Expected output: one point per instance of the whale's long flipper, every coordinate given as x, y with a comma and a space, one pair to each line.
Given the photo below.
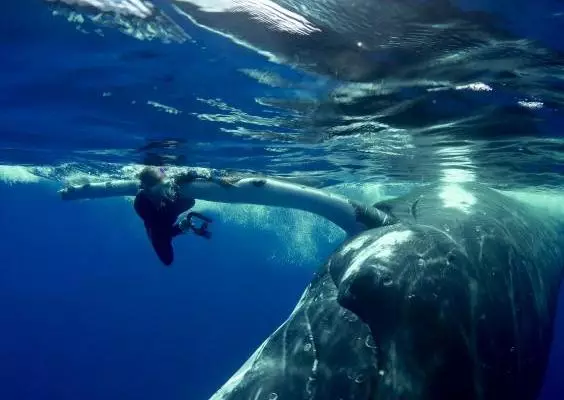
351, 216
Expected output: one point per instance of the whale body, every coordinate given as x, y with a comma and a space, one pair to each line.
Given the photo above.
456, 300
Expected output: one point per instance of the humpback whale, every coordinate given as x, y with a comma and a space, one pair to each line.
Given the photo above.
448, 292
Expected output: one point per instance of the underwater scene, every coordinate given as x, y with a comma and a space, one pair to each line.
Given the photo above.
282, 200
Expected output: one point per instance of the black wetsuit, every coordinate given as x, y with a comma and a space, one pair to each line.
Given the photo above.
159, 222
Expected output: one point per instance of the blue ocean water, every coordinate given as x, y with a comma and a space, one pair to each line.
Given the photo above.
89, 94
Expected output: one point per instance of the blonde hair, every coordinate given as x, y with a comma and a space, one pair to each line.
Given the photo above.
150, 177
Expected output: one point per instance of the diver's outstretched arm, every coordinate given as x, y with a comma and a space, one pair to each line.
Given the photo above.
100, 190
351, 216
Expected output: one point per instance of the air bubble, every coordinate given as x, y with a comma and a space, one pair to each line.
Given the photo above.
381, 372
387, 281
307, 347
369, 342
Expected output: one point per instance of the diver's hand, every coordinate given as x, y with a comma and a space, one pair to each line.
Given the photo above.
184, 222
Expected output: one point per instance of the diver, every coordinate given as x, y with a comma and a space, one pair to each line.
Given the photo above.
164, 217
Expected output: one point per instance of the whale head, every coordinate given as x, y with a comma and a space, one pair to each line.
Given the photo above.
376, 322
413, 287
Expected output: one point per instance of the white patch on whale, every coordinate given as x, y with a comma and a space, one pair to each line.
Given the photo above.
383, 249
356, 244
454, 196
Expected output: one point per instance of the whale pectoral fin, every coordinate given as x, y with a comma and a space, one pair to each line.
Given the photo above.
372, 217
162, 244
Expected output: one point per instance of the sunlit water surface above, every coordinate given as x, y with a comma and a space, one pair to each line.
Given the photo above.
326, 91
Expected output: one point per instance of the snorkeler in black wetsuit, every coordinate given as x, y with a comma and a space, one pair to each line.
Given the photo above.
160, 216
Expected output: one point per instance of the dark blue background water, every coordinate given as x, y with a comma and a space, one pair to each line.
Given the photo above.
87, 311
